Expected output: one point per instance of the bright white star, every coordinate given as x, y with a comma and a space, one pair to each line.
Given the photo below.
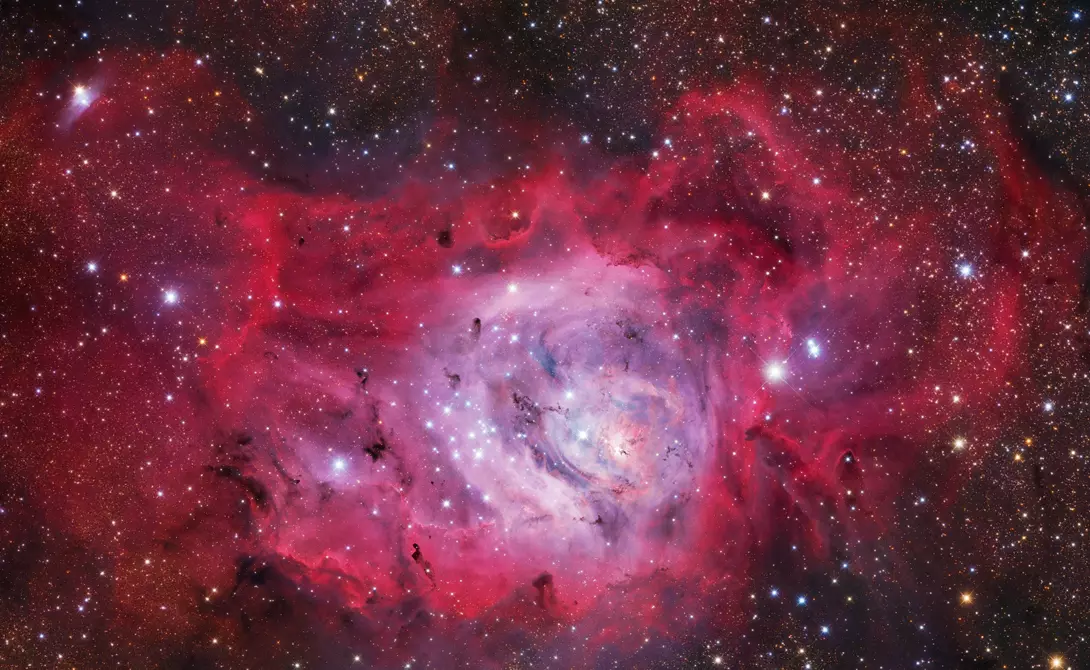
775, 372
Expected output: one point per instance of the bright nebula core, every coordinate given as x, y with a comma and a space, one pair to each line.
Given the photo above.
395, 335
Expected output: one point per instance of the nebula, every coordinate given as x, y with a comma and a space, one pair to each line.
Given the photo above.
575, 406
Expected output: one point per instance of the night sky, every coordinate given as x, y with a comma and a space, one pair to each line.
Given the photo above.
499, 335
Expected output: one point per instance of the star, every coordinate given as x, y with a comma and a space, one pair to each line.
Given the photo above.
775, 372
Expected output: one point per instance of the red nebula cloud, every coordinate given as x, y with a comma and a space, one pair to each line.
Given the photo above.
537, 403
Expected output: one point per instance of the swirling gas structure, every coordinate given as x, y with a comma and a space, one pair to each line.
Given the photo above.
599, 393
652, 373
